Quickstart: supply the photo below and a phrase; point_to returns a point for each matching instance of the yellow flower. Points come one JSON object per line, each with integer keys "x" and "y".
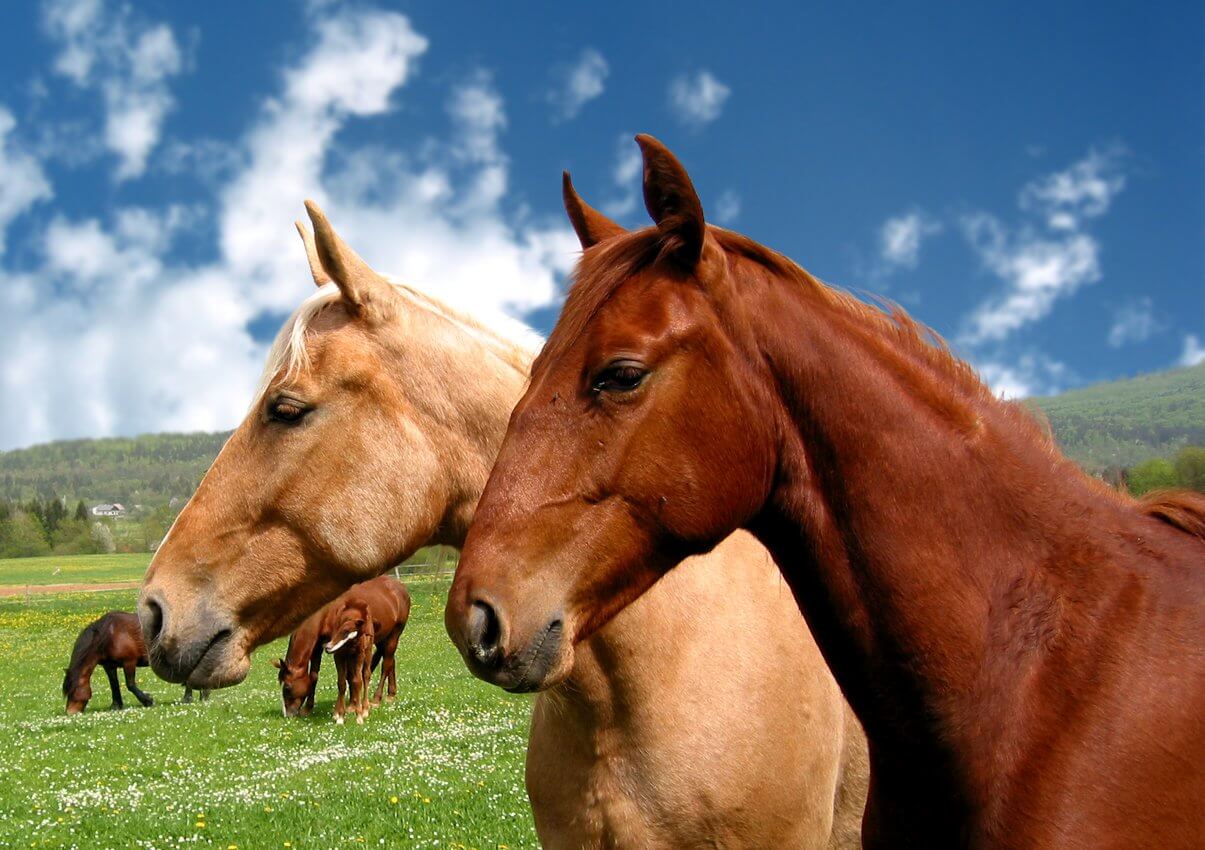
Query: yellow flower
{"x": 231, "y": 847}
{"x": 200, "y": 824}
{"x": 393, "y": 800}
{"x": 288, "y": 844}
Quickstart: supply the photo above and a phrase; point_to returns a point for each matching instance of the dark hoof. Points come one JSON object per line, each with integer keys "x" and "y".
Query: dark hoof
{"x": 116, "y": 707}
{"x": 148, "y": 702}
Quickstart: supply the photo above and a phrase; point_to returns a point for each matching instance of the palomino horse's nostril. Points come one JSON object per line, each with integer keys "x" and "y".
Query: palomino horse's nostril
{"x": 484, "y": 633}
{"x": 152, "y": 621}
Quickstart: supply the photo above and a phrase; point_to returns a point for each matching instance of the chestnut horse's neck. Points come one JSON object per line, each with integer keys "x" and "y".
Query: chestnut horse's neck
{"x": 930, "y": 532}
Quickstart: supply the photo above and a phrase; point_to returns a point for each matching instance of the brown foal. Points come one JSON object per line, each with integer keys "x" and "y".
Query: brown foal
{"x": 1024, "y": 647}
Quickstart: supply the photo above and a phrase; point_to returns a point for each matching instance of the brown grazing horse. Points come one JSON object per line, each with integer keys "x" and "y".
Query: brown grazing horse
{"x": 298, "y": 669}
{"x": 1024, "y": 646}
{"x": 112, "y": 641}
{"x": 730, "y": 732}
{"x": 370, "y": 615}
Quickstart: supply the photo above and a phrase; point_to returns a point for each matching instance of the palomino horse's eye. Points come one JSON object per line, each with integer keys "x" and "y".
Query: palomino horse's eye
{"x": 286, "y": 410}
{"x": 620, "y": 377}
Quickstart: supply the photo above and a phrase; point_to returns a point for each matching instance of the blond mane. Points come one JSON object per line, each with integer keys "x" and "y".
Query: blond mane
{"x": 289, "y": 353}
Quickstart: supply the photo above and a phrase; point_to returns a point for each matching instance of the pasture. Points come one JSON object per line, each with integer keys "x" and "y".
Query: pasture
{"x": 440, "y": 767}
{"x": 73, "y": 569}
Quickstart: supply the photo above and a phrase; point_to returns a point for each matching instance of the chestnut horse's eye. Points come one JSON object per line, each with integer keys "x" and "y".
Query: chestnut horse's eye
{"x": 621, "y": 377}
{"x": 287, "y": 410}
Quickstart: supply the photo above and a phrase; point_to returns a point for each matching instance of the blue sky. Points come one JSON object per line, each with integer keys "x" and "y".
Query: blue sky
{"x": 1026, "y": 178}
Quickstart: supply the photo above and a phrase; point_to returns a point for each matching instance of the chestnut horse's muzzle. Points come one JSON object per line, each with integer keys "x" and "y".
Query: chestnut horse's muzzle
{"x": 480, "y": 633}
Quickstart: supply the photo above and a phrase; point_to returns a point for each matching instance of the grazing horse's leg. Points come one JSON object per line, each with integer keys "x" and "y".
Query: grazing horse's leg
{"x": 357, "y": 685}
{"x": 132, "y": 686}
{"x": 111, "y": 672}
{"x": 341, "y": 668}
{"x": 307, "y": 704}
{"x": 187, "y": 694}
{"x": 204, "y": 694}
{"x": 365, "y": 684}
{"x": 386, "y": 649}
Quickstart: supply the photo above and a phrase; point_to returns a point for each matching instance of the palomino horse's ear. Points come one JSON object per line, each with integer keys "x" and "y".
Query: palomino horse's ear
{"x": 311, "y": 254}
{"x": 364, "y": 290}
{"x": 672, "y": 202}
{"x": 592, "y": 226}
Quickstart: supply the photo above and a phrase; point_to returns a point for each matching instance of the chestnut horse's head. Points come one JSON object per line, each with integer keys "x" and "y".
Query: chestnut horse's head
{"x": 372, "y": 435}
{"x": 631, "y": 448}
{"x": 297, "y": 682}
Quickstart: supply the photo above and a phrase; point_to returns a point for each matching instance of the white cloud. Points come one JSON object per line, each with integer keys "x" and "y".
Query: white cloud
{"x": 22, "y": 181}
{"x": 1085, "y": 190}
{"x": 1134, "y": 322}
{"x": 1193, "y": 352}
{"x": 900, "y": 238}
{"x": 156, "y": 344}
{"x": 579, "y": 84}
{"x": 727, "y": 207}
{"x": 698, "y": 98}
{"x": 1030, "y": 374}
{"x": 626, "y": 174}
{"x": 129, "y": 60}
{"x": 1040, "y": 265}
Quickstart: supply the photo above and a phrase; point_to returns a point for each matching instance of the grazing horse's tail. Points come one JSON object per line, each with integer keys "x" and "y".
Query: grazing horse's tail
{"x": 84, "y": 644}
{"x": 1182, "y": 509}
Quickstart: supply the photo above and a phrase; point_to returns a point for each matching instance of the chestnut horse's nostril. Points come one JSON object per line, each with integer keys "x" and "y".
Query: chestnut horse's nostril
{"x": 484, "y": 634}
{"x": 152, "y": 621}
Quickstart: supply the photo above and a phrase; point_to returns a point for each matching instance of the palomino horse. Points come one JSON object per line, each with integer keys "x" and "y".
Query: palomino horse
{"x": 371, "y": 615}
{"x": 1024, "y": 646}
{"x": 111, "y": 641}
{"x": 634, "y": 749}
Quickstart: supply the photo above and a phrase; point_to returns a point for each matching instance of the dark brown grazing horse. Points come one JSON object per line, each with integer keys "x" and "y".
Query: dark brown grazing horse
{"x": 1024, "y": 646}
{"x": 373, "y": 613}
{"x": 112, "y": 641}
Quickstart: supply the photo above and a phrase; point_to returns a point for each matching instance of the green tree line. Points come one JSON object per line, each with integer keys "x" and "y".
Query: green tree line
{"x": 49, "y": 527}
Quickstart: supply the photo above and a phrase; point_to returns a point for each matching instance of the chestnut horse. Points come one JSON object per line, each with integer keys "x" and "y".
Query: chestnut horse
{"x": 298, "y": 669}
{"x": 1024, "y": 646}
{"x": 381, "y": 414}
{"x": 302, "y": 661}
{"x": 112, "y": 641}
{"x": 371, "y": 615}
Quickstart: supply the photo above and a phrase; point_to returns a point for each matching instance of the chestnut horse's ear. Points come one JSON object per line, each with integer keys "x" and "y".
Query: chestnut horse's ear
{"x": 365, "y": 291}
{"x": 672, "y": 202}
{"x": 319, "y": 274}
{"x": 592, "y": 226}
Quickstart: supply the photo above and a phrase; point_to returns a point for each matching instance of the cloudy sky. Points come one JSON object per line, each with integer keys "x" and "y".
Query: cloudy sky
{"x": 1027, "y": 179}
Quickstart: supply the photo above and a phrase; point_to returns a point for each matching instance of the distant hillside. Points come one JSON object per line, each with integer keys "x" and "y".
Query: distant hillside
{"x": 150, "y": 470}
{"x": 1122, "y": 423}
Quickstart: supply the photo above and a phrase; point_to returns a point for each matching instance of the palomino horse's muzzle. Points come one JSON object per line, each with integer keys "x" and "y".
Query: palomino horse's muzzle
{"x": 195, "y": 646}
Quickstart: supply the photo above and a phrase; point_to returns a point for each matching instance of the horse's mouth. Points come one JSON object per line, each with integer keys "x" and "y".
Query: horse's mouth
{"x": 533, "y": 666}
{"x": 215, "y": 668}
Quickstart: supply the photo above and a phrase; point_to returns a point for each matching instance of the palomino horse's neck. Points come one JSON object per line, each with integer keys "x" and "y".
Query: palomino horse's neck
{"x": 920, "y": 521}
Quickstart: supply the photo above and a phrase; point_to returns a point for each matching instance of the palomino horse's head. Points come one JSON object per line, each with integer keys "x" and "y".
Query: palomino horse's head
{"x": 358, "y": 449}
{"x": 620, "y": 460}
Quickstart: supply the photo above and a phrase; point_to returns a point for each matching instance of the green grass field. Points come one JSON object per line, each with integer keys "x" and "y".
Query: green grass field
{"x": 441, "y": 767}
{"x": 73, "y": 569}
